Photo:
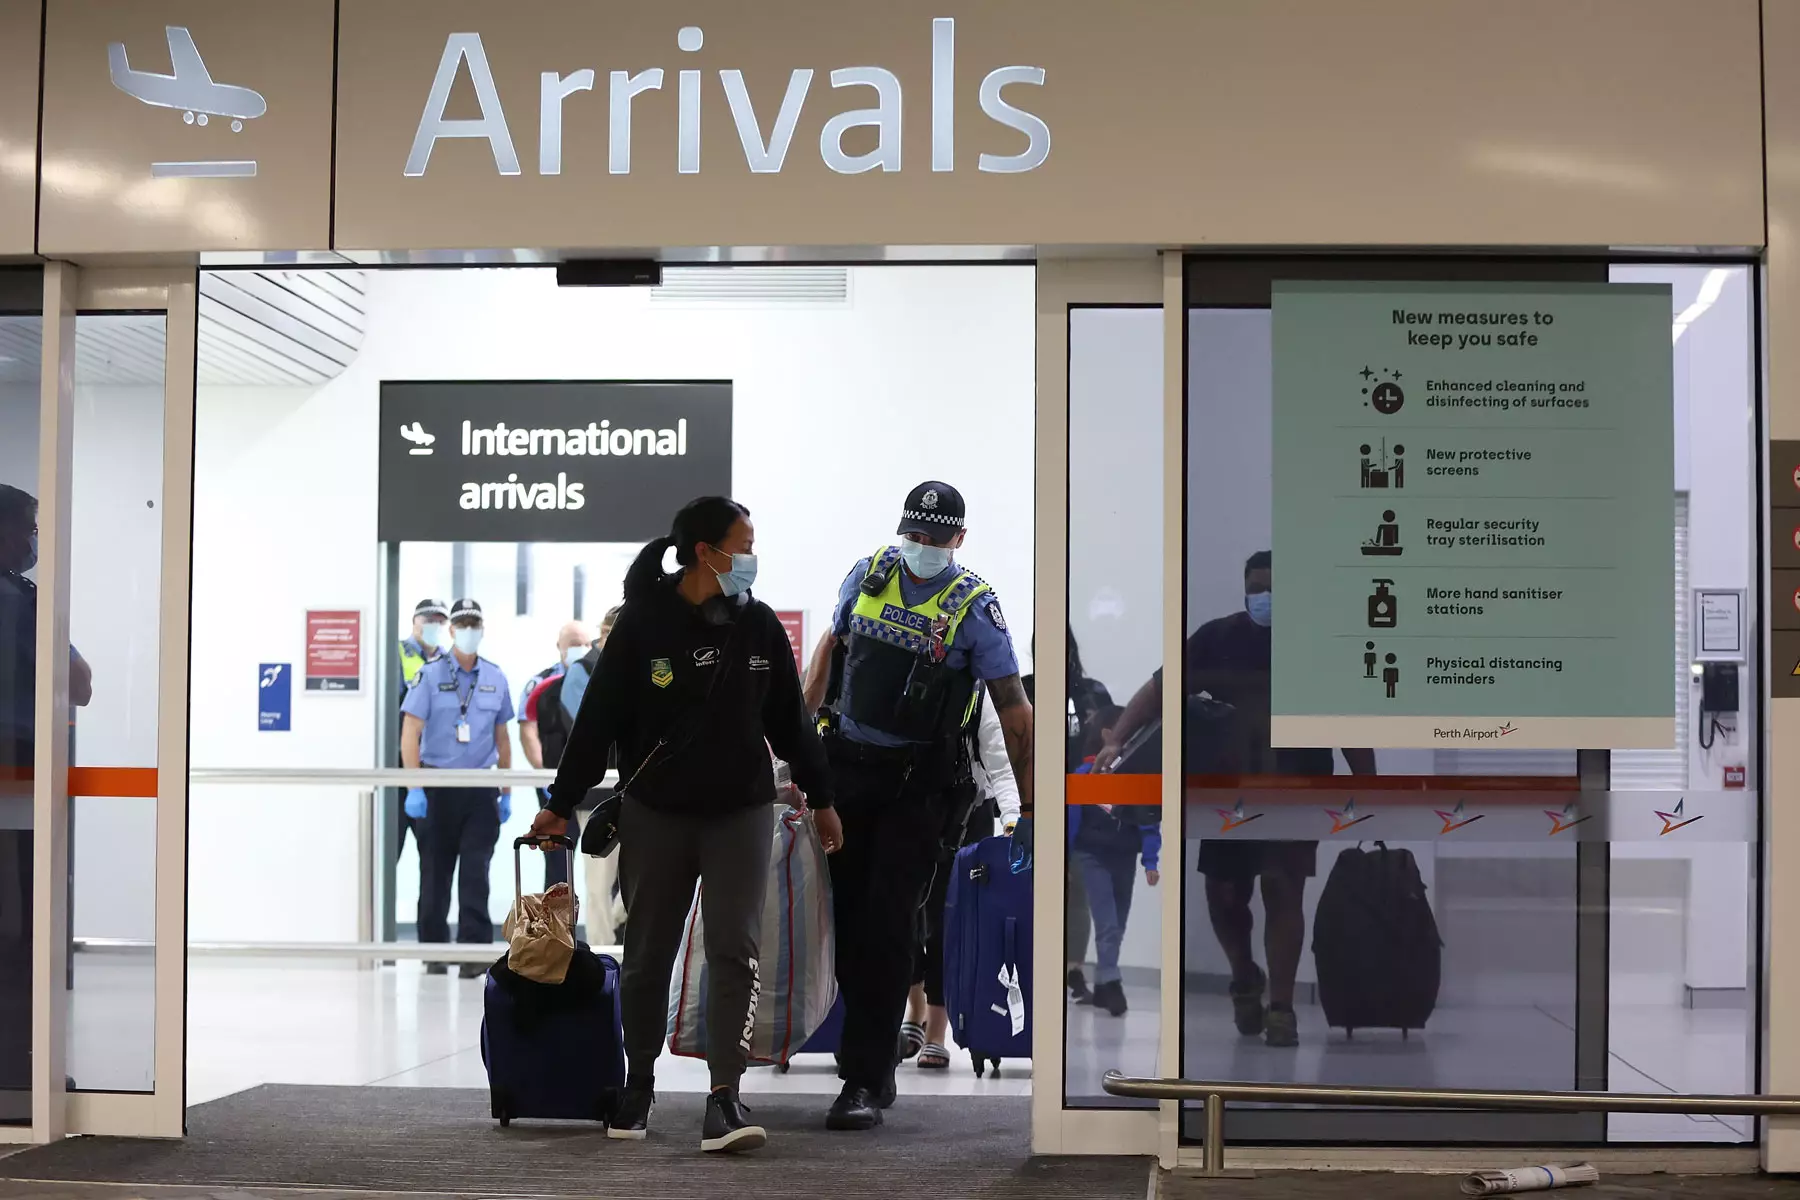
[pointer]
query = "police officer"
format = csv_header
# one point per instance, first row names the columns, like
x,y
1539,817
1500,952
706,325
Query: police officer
x,y
920,635
455,718
430,638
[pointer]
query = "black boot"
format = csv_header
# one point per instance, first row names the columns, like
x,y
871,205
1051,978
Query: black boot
x,y
1078,988
728,1128
855,1110
1111,997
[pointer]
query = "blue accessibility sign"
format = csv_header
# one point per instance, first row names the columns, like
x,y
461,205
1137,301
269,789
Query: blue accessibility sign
x,y
275,697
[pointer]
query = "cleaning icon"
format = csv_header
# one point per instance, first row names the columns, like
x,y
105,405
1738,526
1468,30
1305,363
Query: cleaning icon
x,y
1384,609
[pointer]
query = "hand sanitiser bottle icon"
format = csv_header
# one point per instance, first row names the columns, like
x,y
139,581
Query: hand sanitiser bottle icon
x,y
1384,609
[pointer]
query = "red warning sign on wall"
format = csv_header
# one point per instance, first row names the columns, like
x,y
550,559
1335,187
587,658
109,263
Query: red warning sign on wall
x,y
795,624
333,650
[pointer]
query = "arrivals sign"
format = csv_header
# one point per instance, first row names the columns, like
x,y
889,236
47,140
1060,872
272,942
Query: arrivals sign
x,y
548,461
1474,510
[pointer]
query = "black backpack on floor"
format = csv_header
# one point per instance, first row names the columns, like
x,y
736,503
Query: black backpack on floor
x,y
1376,943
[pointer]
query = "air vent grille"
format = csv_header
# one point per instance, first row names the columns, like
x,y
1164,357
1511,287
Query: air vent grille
x,y
812,287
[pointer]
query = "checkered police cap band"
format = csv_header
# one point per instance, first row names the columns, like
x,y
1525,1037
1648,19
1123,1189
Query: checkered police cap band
x,y
932,518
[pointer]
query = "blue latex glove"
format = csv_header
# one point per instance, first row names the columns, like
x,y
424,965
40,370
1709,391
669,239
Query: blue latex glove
x,y
505,804
415,803
1023,842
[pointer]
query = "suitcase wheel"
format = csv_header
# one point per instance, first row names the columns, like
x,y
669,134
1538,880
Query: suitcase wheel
x,y
500,1105
979,1063
505,1121
783,1067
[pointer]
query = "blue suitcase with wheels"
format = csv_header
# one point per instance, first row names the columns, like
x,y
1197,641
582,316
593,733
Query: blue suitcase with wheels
x,y
555,1052
987,954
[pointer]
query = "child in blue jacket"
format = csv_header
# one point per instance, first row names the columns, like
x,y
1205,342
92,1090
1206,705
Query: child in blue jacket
x,y
1106,843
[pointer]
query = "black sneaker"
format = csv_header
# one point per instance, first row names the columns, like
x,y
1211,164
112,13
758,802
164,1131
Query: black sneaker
x,y
1281,1029
437,968
1111,997
1247,1004
472,971
728,1129
854,1111
1078,988
632,1122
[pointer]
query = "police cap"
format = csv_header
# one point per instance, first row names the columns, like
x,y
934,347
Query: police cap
x,y
934,509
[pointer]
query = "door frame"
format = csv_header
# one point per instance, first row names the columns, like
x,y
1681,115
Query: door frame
x,y
1063,285
70,292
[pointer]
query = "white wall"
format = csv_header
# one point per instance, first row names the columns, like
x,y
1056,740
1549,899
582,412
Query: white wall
x,y
927,372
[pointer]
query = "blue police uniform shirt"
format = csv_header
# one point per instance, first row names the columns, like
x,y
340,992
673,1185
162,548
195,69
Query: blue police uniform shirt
x,y
436,697
982,643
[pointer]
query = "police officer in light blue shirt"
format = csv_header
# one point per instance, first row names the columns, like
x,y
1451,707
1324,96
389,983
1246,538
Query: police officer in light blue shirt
x,y
455,717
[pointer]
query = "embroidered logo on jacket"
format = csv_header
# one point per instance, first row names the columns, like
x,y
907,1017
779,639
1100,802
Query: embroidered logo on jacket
x,y
662,672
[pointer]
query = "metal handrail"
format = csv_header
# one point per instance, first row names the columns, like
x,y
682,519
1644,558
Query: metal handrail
x,y
373,777
1215,1094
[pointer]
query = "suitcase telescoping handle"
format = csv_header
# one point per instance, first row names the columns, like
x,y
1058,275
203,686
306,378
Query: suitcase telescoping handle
x,y
561,839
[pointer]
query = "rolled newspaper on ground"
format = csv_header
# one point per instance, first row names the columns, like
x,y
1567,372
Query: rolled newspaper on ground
x,y
1529,1179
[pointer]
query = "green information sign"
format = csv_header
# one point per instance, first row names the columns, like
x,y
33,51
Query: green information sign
x,y
1474,507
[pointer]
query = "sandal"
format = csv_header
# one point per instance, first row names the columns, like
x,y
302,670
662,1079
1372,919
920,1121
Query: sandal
x,y
933,1057
912,1039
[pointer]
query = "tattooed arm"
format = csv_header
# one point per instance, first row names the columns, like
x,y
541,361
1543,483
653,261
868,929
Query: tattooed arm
x,y
1008,696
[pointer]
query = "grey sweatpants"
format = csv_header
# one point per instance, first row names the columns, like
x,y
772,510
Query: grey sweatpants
x,y
661,857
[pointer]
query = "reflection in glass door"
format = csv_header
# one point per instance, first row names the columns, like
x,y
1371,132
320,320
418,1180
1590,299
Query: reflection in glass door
x,y
1560,954
21,343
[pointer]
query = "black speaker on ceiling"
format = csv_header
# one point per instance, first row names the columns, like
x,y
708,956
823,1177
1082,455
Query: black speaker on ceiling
x,y
609,272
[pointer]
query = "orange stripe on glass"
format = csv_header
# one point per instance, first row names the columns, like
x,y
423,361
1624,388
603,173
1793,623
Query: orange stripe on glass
x,y
1114,789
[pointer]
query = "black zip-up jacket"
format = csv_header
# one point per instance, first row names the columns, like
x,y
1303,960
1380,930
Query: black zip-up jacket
x,y
706,754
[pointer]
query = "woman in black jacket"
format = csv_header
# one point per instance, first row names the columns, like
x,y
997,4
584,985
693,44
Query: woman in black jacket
x,y
694,686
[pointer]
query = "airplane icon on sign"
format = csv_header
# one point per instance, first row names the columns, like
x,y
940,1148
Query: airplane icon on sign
x,y
190,90
422,441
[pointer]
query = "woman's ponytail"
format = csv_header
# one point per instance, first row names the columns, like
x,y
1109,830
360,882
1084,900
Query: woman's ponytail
x,y
647,569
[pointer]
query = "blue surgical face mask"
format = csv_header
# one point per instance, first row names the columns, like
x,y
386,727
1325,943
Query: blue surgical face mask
x,y
926,562
434,634
738,579
468,640
1260,607
573,655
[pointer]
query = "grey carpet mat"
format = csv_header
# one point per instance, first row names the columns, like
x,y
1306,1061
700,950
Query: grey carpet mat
x,y
442,1140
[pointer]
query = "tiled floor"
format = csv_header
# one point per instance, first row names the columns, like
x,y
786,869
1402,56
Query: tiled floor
x,y
264,1022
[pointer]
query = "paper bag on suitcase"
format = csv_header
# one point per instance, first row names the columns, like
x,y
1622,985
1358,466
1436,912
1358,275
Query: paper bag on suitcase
x,y
540,931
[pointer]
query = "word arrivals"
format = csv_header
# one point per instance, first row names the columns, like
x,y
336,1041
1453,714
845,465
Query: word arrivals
x,y
764,153
512,494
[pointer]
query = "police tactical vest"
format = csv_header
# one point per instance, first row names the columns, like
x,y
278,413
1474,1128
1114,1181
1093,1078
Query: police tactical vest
x,y
411,662
896,678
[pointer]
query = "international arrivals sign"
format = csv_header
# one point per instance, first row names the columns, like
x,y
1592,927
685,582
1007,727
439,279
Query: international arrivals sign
x,y
530,461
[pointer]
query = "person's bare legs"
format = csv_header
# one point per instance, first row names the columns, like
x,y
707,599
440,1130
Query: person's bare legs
x,y
915,1004
1228,907
1284,938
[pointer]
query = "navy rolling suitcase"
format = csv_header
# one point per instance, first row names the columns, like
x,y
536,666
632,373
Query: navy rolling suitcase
x,y
825,1038
987,954
554,1051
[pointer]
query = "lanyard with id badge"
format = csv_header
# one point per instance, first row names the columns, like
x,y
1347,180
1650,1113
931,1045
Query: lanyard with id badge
x,y
462,715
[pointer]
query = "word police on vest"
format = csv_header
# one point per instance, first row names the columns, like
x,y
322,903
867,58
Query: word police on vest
x,y
578,462
765,152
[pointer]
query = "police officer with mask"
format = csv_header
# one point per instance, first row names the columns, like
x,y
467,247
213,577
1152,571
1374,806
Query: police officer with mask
x,y
430,638
920,636
455,718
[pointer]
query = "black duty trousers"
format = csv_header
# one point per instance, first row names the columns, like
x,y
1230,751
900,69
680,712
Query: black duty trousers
x,y
894,815
457,838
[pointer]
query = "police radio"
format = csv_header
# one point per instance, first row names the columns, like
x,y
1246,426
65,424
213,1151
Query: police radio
x,y
876,581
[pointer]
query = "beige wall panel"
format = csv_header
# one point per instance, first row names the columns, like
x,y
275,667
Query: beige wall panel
x,y
123,174
1781,805
19,37
1446,122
